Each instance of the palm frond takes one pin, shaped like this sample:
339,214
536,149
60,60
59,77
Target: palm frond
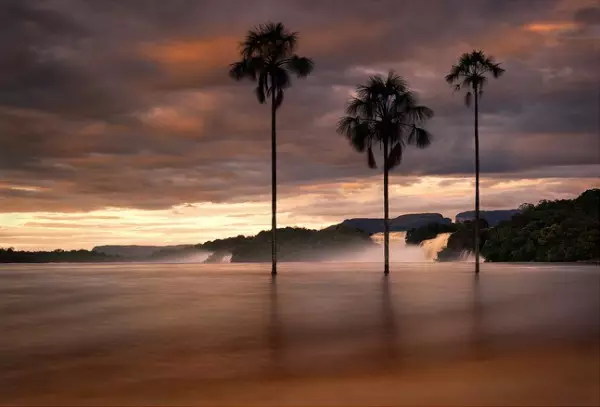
260,94
278,98
468,98
356,131
417,114
282,79
371,159
253,43
238,70
480,85
375,87
359,107
346,124
301,66
497,71
395,83
419,137
454,75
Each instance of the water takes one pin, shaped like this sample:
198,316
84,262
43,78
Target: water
229,334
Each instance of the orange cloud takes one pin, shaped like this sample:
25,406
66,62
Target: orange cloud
168,118
550,27
208,52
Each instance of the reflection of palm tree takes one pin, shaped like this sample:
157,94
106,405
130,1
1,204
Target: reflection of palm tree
268,57
388,321
477,332
274,331
470,74
385,112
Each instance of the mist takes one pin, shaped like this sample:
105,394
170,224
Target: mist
400,252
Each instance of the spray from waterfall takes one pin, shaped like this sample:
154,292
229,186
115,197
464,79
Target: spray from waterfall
399,250
433,246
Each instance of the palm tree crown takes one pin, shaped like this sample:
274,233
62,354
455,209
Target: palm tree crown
471,73
268,58
385,111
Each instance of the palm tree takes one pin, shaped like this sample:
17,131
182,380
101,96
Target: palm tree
268,58
470,74
385,112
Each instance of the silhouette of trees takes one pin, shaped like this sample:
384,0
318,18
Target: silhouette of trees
561,230
385,112
268,58
10,255
471,74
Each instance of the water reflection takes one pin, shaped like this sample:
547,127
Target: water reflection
130,333
477,342
275,339
389,328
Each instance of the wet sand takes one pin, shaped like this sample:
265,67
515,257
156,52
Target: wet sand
318,335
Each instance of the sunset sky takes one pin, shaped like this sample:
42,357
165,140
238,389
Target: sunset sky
120,125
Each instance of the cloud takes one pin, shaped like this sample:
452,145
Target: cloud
128,104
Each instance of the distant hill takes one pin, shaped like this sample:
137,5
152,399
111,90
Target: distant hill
402,223
300,244
493,218
135,251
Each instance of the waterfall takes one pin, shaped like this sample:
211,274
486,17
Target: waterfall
399,250
433,246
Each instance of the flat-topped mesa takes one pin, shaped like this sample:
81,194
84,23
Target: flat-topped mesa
491,217
401,223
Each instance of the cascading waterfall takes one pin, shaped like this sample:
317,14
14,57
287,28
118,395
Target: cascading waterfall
433,246
399,250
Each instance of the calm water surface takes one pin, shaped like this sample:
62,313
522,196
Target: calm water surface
171,333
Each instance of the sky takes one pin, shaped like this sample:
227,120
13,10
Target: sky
120,125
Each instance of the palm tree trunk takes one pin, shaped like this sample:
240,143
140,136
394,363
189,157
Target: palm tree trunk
476,180
386,212
273,188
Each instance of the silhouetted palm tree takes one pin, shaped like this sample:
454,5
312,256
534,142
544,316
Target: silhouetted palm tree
471,74
268,58
385,112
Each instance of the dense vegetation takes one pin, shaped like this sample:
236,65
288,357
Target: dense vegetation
299,244
493,218
562,230
462,241
71,256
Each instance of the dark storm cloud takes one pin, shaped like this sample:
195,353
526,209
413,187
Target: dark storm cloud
127,103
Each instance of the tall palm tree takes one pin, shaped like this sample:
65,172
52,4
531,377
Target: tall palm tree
268,58
471,74
385,112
